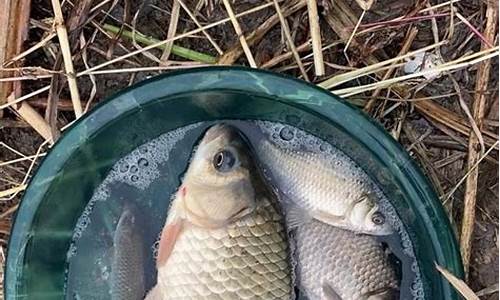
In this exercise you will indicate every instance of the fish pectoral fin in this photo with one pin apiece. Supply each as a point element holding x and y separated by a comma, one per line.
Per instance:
<point>154,294</point>
<point>329,292</point>
<point>297,216</point>
<point>169,236</point>
<point>337,221</point>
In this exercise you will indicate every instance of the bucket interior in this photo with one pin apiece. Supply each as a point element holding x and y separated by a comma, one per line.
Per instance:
<point>78,163</point>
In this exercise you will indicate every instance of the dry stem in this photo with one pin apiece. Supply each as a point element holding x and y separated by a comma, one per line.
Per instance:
<point>172,29</point>
<point>482,78</point>
<point>62,34</point>
<point>240,34</point>
<point>312,10</point>
<point>291,44</point>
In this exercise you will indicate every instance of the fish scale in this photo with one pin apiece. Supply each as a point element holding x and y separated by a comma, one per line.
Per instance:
<point>338,186</point>
<point>246,260</point>
<point>317,181</point>
<point>353,265</point>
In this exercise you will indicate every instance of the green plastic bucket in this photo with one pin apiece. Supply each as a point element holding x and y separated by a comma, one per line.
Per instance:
<point>77,164</point>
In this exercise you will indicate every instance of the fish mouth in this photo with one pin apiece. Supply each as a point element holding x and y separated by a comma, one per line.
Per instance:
<point>220,130</point>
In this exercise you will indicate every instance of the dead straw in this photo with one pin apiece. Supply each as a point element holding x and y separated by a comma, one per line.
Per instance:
<point>148,41</point>
<point>195,20</point>
<point>172,29</point>
<point>312,11</point>
<point>410,37</point>
<point>66,53</point>
<point>291,44</point>
<point>478,110</point>
<point>240,34</point>
<point>458,284</point>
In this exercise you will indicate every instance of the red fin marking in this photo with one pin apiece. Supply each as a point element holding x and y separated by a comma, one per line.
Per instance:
<point>168,239</point>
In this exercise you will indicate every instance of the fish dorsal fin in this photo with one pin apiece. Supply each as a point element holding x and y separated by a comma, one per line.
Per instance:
<point>168,238</point>
<point>330,293</point>
<point>296,216</point>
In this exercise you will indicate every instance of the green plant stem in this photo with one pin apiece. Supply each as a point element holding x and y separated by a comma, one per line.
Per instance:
<point>177,50</point>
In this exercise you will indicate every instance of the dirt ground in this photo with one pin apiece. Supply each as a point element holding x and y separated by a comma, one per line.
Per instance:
<point>441,151</point>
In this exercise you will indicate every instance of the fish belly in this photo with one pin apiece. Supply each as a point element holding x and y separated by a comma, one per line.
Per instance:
<point>247,260</point>
<point>331,259</point>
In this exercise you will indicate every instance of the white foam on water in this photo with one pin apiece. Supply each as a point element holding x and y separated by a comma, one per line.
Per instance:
<point>137,169</point>
<point>291,138</point>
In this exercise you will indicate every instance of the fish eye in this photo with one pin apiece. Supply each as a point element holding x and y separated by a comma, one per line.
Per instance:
<point>378,218</point>
<point>224,161</point>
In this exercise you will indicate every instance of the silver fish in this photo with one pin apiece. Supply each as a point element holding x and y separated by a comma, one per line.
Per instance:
<point>314,188</point>
<point>337,264</point>
<point>224,238</point>
<point>127,269</point>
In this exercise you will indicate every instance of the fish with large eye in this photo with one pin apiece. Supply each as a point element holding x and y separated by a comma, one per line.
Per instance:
<point>318,189</point>
<point>221,205</point>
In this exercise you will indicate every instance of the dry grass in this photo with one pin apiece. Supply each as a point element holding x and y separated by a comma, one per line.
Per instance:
<point>449,123</point>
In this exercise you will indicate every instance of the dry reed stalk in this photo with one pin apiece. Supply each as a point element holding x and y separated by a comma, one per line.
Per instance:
<point>410,37</point>
<point>125,56</point>
<point>341,16</point>
<point>312,11</point>
<point>372,68</point>
<point>62,34</point>
<point>458,284</point>
<point>186,34</point>
<point>291,44</point>
<point>14,21</point>
<point>232,55</point>
<point>365,4</point>
<point>36,121</point>
<point>471,169</point>
<point>478,110</point>
<point>32,49</point>
<point>403,19</point>
<point>14,34</point>
<point>30,71</point>
<point>282,57</point>
<point>172,29</point>
<point>9,211</point>
<point>147,69</point>
<point>193,17</point>
<point>437,113</point>
<point>24,158</point>
<point>11,191</point>
<point>62,104</point>
<point>451,66</point>
<point>239,32</point>
<point>12,102</point>
<point>467,112</point>
<point>24,78</point>
<point>488,290</point>
<point>483,38</point>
